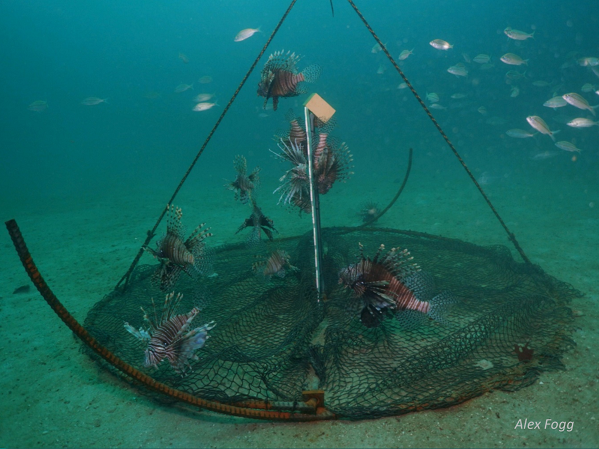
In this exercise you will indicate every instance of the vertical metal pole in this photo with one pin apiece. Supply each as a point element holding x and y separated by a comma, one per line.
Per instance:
<point>315,204</point>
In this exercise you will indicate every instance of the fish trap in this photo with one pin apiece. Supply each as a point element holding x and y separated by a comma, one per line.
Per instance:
<point>279,352</point>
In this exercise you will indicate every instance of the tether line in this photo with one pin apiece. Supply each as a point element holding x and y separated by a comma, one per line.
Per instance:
<point>510,234</point>
<point>151,233</point>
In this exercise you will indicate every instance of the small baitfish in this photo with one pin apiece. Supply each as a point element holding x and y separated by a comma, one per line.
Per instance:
<point>246,33</point>
<point>518,35</point>
<point>519,133</point>
<point>432,97</point>
<point>440,44</point>
<point>405,53</point>
<point>204,106</point>
<point>555,102</point>
<point>458,70</point>
<point>579,102</point>
<point>582,122</point>
<point>539,124</point>
<point>92,101</point>
<point>513,59</point>
<point>567,146</point>
<point>482,59</point>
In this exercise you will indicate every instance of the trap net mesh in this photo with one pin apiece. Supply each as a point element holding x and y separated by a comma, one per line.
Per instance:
<point>273,339</point>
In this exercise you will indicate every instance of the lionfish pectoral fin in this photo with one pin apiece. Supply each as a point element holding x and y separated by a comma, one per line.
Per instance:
<point>275,103</point>
<point>371,317</point>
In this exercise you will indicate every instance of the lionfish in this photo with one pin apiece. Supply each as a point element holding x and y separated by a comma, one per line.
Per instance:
<point>168,337</point>
<point>280,77</point>
<point>244,184</point>
<point>392,282</point>
<point>176,255</point>
<point>295,189</point>
<point>275,265</point>
<point>369,211</point>
<point>330,161</point>
<point>259,223</point>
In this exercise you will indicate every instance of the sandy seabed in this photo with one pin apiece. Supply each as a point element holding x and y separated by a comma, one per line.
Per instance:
<point>53,395</point>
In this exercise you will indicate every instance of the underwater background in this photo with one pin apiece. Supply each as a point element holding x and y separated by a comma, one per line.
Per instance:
<point>86,181</point>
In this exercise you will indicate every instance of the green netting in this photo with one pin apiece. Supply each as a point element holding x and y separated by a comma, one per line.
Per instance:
<point>274,339</point>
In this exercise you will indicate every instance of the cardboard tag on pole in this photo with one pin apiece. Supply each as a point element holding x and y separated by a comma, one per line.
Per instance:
<point>320,108</point>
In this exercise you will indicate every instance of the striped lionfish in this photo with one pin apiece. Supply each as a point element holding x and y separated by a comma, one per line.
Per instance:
<point>331,161</point>
<point>176,255</point>
<point>168,337</point>
<point>259,223</point>
<point>280,77</point>
<point>275,265</point>
<point>244,184</point>
<point>391,282</point>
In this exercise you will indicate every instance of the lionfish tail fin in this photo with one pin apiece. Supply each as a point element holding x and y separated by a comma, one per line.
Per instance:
<point>440,307</point>
<point>311,73</point>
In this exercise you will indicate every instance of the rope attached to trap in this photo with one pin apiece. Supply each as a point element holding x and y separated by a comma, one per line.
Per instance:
<point>152,232</point>
<point>510,234</point>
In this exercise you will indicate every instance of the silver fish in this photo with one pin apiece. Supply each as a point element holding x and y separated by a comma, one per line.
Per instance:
<point>204,106</point>
<point>567,146</point>
<point>518,35</point>
<point>183,87</point>
<point>458,70</point>
<point>587,87</point>
<point>405,53</point>
<point>544,155</point>
<point>203,97</point>
<point>432,97</point>
<point>579,102</point>
<point>519,133</point>
<point>590,61</point>
<point>246,33</point>
<point>512,59</point>
<point>92,101</point>
<point>582,123</point>
<point>539,124</point>
<point>555,102</point>
<point>482,59</point>
<point>440,44</point>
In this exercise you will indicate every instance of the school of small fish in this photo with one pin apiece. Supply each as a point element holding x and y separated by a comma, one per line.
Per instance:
<point>516,55</point>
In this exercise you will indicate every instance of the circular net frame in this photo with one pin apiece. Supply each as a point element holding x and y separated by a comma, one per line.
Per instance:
<point>274,339</point>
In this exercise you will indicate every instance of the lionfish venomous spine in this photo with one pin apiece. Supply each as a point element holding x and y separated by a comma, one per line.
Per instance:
<point>281,78</point>
<point>168,336</point>
<point>391,281</point>
<point>176,254</point>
